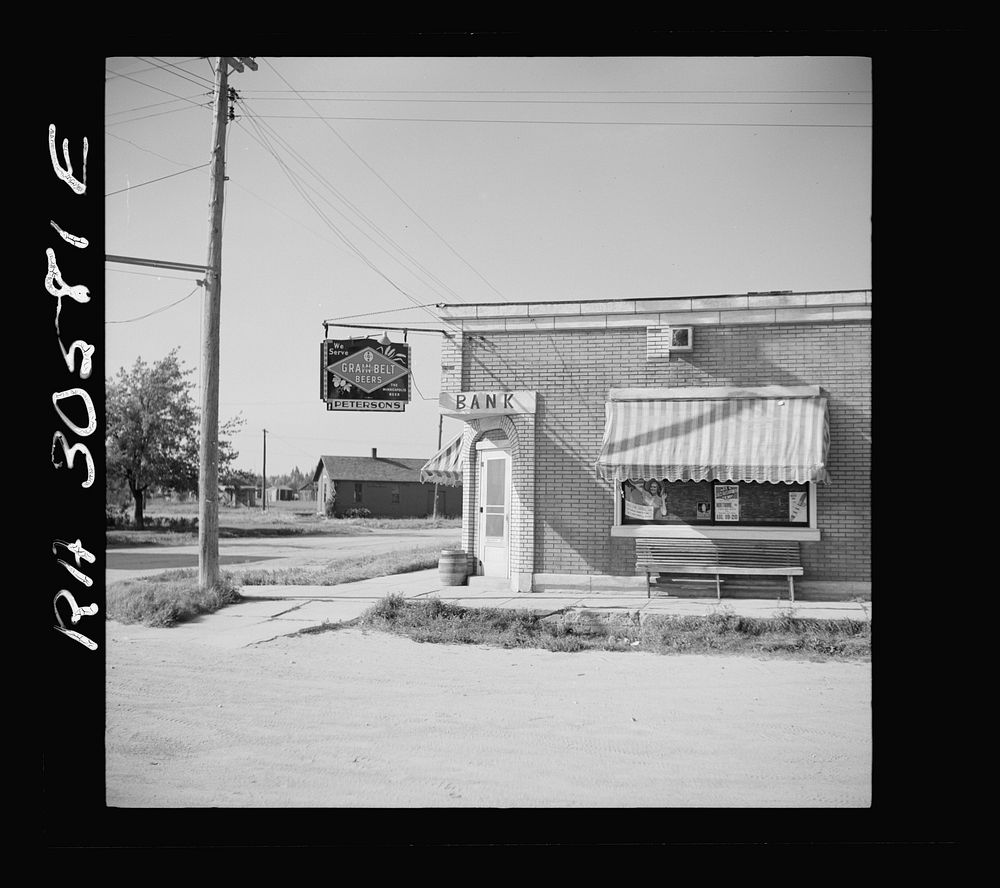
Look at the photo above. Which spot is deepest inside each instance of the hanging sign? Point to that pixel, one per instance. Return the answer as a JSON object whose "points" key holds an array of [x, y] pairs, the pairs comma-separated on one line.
{"points": [[364, 374]]}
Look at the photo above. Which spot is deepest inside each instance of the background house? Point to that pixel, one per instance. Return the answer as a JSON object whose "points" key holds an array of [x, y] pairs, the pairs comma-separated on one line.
{"points": [[241, 495], [387, 487]]}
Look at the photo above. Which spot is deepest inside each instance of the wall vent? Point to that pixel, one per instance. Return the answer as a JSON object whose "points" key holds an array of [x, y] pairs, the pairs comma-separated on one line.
{"points": [[661, 341]]}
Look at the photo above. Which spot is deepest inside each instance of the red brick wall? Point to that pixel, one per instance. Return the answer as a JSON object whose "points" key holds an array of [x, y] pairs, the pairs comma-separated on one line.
{"points": [[572, 372]]}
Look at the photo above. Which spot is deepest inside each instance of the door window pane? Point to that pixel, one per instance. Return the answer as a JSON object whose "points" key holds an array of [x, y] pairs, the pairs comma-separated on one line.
{"points": [[496, 476]]}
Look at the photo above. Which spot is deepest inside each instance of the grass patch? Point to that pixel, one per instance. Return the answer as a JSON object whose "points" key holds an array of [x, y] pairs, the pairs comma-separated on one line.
{"points": [[401, 523], [181, 530], [347, 570], [167, 598], [434, 621]]}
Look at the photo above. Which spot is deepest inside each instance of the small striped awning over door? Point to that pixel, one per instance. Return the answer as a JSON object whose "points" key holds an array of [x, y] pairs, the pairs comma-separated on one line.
{"points": [[445, 467], [768, 433]]}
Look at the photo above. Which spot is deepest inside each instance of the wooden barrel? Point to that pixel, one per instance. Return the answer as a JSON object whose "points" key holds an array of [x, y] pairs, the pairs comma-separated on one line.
{"points": [[453, 567]]}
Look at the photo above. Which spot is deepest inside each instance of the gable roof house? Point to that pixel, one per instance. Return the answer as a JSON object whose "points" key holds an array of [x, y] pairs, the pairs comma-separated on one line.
{"points": [[387, 487]]}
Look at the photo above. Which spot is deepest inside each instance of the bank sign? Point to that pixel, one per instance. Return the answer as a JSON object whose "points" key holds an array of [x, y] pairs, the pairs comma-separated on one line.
{"points": [[364, 374], [494, 403]]}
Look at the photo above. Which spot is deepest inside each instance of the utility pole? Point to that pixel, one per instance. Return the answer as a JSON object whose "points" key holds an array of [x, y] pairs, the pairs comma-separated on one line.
{"points": [[263, 481], [208, 447], [440, 421]]}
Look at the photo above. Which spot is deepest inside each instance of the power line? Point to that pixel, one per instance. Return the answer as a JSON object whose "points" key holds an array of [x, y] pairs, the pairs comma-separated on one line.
{"points": [[388, 238], [141, 70], [151, 181], [206, 105], [175, 277], [298, 97], [560, 122], [300, 187], [237, 184], [158, 310], [144, 107], [166, 66], [592, 92], [158, 89], [366, 314], [396, 193], [146, 150]]}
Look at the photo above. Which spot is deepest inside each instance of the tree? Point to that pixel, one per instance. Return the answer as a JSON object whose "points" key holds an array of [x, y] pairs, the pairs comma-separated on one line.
{"points": [[152, 429], [239, 478]]}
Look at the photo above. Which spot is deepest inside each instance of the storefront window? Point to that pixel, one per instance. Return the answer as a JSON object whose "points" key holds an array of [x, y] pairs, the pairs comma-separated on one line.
{"points": [[714, 503]]}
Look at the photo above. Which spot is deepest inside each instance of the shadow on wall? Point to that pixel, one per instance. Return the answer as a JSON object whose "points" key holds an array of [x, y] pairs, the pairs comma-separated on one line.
{"points": [[574, 508], [760, 355]]}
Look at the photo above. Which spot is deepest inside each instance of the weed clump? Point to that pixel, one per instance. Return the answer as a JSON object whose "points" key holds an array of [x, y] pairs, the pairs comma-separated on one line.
{"points": [[168, 598], [434, 621]]}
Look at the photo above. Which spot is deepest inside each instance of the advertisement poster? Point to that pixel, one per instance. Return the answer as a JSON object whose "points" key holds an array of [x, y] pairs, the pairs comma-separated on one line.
{"points": [[637, 511], [727, 502], [645, 502], [797, 506], [704, 512]]}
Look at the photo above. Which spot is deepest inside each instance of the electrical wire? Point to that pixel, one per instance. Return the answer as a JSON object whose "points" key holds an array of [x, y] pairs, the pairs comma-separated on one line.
{"points": [[396, 193], [591, 92], [366, 314], [564, 122], [157, 88], [175, 277], [300, 187], [158, 310], [144, 107], [554, 101], [388, 238], [142, 70], [166, 66], [146, 150], [417, 387], [108, 123], [151, 181]]}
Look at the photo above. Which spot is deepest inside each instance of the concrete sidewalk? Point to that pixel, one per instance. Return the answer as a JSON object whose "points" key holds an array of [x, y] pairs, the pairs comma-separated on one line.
{"points": [[269, 612]]}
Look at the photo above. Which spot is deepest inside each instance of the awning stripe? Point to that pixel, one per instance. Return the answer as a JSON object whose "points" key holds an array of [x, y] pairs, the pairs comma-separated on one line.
{"points": [[445, 467], [716, 439]]}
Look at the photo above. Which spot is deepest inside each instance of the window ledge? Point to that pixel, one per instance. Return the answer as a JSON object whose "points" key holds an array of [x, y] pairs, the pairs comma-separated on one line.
{"points": [[687, 531]]}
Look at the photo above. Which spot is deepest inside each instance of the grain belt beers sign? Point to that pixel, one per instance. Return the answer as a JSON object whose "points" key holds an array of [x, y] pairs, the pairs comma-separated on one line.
{"points": [[364, 374]]}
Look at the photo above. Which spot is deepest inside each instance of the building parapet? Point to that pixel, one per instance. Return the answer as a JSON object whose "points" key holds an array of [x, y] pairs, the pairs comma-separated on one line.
{"points": [[748, 308]]}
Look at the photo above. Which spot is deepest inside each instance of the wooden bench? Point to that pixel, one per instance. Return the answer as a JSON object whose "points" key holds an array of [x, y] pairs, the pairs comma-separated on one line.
{"points": [[718, 557]]}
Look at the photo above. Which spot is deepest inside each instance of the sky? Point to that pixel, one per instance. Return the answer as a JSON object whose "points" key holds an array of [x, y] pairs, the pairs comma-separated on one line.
{"points": [[362, 188]]}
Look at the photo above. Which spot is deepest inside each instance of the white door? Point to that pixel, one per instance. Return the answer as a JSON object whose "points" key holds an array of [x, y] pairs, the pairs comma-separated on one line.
{"points": [[494, 512]]}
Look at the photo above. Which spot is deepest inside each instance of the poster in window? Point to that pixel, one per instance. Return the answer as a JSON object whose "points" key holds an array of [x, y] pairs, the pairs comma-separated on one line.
{"points": [[704, 512], [797, 506], [638, 511], [639, 504], [727, 502]]}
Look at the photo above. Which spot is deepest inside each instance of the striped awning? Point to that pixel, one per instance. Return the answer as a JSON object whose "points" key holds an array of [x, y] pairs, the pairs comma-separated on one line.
{"points": [[769, 433], [445, 467]]}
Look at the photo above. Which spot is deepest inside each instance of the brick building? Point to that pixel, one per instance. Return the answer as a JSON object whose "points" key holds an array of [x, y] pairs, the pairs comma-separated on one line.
{"points": [[387, 487], [750, 414]]}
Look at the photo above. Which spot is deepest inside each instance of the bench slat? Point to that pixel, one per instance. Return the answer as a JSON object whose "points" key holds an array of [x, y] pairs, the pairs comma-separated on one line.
{"points": [[719, 557]]}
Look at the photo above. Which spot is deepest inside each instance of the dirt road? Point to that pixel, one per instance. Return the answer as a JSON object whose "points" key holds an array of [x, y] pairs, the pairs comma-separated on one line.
{"points": [[347, 718]]}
